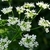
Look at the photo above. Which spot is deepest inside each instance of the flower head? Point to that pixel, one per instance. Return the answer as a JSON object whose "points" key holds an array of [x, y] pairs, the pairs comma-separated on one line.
{"points": [[25, 26], [20, 9], [12, 21], [29, 41], [43, 5], [28, 5], [4, 43], [30, 13], [7, 10], [44, 23]]}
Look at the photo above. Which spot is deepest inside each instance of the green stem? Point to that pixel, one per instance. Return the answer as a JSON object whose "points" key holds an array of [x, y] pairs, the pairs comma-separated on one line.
{"points": [[19, 16], [38, 13], [12, 28], [9, 2], [35, 28], [15, 35]]}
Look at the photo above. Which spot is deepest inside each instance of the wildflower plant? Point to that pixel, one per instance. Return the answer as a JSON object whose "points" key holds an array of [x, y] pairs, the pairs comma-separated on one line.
{"points": [[19, 26]]}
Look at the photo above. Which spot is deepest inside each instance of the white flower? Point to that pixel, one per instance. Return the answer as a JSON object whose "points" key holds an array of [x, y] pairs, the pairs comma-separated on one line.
{"points": [[29, 41], [25, 26], [47, 30], [0, 17], [4, 43], [44, 23], [43, 5], [7, 10], [30, 14], [4, 0], [12, 20], [20, 9], [28, 5]]}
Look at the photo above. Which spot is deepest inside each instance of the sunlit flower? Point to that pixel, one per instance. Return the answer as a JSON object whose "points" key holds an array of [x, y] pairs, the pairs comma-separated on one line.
{"points": [[28, 5], [12, 21], [25, 26], [30, 13], [43, 5], [4, 43], [7, 10], [20, 9], [29, 41]]}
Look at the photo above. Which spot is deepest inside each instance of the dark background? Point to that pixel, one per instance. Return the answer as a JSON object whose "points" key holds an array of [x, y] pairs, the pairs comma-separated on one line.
{"points": [[42, 37]]}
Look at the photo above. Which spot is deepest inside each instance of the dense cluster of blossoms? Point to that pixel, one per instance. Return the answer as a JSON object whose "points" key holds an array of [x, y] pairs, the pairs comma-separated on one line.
{"points": [[43, 5], [12, 21], [28, 5], [7, 10], [25, 26], [30, 13], [44, 23], [29, 41], [20, 9], [4, 43]]}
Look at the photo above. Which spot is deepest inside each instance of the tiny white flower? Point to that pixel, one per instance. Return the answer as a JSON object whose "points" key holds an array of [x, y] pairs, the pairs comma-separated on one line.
{"points": [[7, 10], [4, 0], [43, 5], [47, 30], [28, 5], [20, 9], [12, 21], [25, 26], [0, 17], [28, 41]]}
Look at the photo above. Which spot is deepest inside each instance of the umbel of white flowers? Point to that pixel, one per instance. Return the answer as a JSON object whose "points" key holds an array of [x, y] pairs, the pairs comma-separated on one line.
{"points": [[28, 5], [20, 9], [4, 43], [43, 5], [7, 10], [25, 26], [44, 23], [12, 21], [29, 41], [30, 13]]}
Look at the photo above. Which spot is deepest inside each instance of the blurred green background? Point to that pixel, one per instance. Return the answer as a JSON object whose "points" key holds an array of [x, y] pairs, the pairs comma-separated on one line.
{"points": [[42, 37]]}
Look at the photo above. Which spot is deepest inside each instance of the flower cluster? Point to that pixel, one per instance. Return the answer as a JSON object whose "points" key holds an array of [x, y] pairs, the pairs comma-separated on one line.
{"points": [[4, 43], [7, 10], [25, 26], [29, 41], [30, 13], [12, 21], [28, 5], [44, 23], [42, 5], [20, 9]]}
